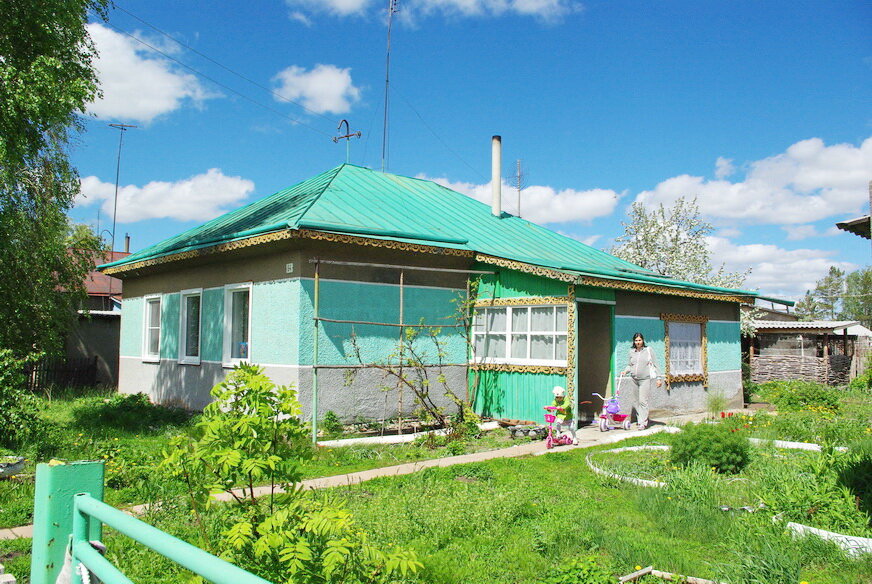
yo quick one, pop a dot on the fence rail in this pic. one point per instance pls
(88, 509)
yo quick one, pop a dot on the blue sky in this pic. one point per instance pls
(761, 110)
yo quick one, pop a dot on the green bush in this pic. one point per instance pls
(131, 412)
(579, 571)
(794, 395)
(856, 474)
(19, 409)
(331, 424)
(712, 445)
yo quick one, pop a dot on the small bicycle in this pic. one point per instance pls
(551, 440)
(611, 417)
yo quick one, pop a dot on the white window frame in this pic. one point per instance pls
(507, 357)
(147, 326)
(183, 327)
(229, 289)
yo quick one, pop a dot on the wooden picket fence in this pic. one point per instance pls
(61, 372)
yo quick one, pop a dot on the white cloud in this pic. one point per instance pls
(775, 271)
(544, 10)
(324, 89)
(137, 84)
(808, 182)
(198, 198)
(724, 167)
(301, 18)
(729, 232)
(543, 204)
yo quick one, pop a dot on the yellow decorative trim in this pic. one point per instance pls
(688, 318)
(289, 234)
(691, 318)
(656, 289)
(221, 247)
(383, 243)
(570, 344)
(507, 368)
(526, 301)
(526, 268)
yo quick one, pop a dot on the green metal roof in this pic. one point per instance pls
(359, 201)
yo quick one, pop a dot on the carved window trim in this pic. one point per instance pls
(691, 319)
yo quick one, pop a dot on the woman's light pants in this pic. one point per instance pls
(643, 392)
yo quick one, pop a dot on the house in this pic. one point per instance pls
(93, 340)
(312, 281)
(858, 226)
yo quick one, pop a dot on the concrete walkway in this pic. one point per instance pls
(588, 437)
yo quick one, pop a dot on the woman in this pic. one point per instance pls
(643, 371)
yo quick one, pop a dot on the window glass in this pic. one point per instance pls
(496, 346)
(520, 318)
(542, 318)
(541, 347)
(239, 324)
(478, 320)
(192, 326)
(560, 347)
(152, 327)
(561, 314)
(496, 320)
(685, 348)
(519, 346)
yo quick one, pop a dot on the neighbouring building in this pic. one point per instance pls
(313, 281)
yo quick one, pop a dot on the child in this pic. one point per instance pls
(564, 419)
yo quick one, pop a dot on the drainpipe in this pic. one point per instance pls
(496, 174)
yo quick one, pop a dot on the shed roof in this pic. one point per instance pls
(858, 226)
(354, 200)
(819, 325)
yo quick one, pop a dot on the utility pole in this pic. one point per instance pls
(520, 183)
(392, 8)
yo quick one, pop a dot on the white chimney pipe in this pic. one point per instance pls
(496, 175)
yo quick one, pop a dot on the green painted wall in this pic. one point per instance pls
(514, 396)
(594, 293)
(131, 327)
(724, 346)
(212, 325)
(274, 322)
(169, 326)
(374, 303)
(511, 284)
(651, 328)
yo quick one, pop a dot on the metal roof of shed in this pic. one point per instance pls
(354, 200)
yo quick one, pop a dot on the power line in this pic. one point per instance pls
(218, 83)
(225, 67)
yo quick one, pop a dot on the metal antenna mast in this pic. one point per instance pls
(347, 137)
(520, 183)
(392, 8)
(122, 128)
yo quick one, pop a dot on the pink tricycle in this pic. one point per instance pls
(611, 417)
(551, 440)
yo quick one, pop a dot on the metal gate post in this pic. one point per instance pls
(53, 513)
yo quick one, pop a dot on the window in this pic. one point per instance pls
(685, 347)
(189, 335)
(521, 334)
(237, 313)
(151, 329)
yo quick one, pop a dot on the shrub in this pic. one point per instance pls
(856, 473)
(713, 445)
(331, 423)
(792, 396)
(131, 412)
(579, 571)
(19, 409)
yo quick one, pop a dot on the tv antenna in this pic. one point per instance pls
(122, 128)
(392, 8)
(347, 137)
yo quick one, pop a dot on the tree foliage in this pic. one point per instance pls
(839, 296)
(672, 242)
(46, 79)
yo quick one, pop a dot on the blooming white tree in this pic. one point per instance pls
(671, 241)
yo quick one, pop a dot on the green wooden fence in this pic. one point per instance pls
(64, 511)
